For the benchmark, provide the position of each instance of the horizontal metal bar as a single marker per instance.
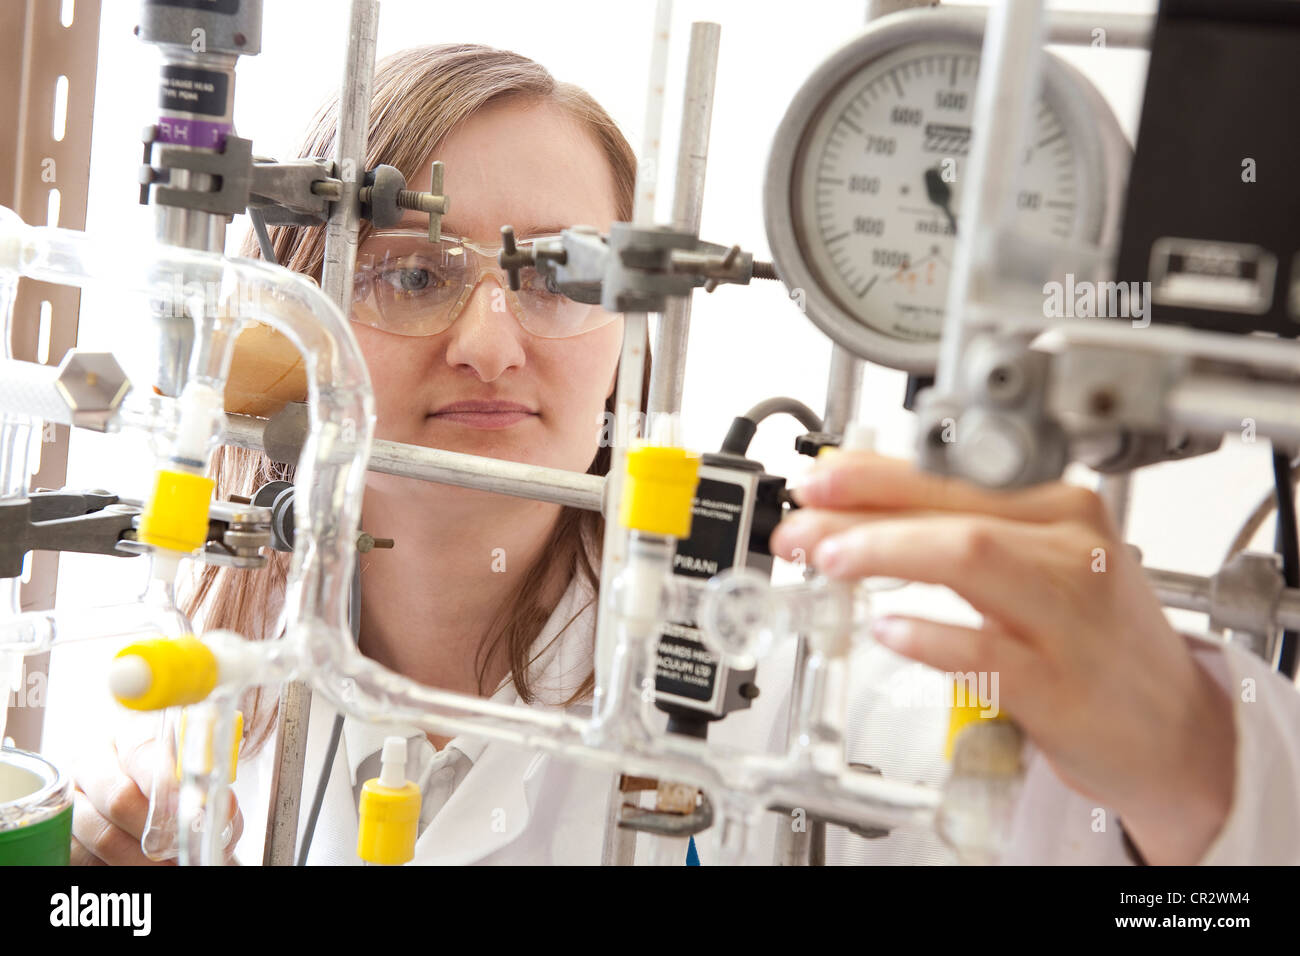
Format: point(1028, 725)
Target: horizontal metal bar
point(1078, 27)
point(1214, 404)
point(1191, 592)
point(519, 480)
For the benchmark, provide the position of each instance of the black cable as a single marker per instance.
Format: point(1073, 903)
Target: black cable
point(331, 750)
point(1286, 543)
point(263, 237)
point(742, 428)
point(791, 406)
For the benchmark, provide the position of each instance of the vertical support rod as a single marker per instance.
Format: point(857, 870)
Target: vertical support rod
point(336, 281)
point(1008, 87)
point(350, 153)
point(843, 391)
point(794, 847)
point(619, 846)
point(1114, 491)
point(668, 374)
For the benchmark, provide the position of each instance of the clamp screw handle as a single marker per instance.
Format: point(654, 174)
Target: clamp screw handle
point(510, 258)
point(434, 202)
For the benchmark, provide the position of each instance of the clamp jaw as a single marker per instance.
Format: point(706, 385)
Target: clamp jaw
point(99, 522)
point(633, 269)
point(87, 522)
point(298, 192)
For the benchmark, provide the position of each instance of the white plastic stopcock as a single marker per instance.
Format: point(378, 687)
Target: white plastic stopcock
point(202, 409)
point(392, 766)
point(129, 677)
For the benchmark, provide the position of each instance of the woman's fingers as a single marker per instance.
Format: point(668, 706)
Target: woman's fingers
point(96, 838)
point(139, 764)
point(1026, 576)
point(111, 807)
point(865, 480)
point(800, 531)
point(79, 855)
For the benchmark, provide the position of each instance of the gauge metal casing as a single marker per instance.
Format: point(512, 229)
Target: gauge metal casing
point(1096, 146)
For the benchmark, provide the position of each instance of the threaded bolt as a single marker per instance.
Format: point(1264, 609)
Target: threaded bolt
point(424, 202)
point(367, 542)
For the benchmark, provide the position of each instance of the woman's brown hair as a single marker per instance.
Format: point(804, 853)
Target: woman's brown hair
point(419, 97)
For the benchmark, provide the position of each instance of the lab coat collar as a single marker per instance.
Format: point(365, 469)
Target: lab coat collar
point(467, 828)
point(362, 739)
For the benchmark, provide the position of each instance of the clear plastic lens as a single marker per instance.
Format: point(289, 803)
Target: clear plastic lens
point(409, 286)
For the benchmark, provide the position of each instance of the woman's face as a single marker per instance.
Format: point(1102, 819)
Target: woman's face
point(526, 164)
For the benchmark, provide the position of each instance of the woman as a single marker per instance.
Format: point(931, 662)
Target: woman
point(499, 590)
point(477, 575)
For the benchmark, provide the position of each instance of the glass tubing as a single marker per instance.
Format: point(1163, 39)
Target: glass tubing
point(317, 646)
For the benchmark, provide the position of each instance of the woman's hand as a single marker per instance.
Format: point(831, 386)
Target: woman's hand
point(1087, 663)
point(110, 809)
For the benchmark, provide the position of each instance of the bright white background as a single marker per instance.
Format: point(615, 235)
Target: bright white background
point(746, 344)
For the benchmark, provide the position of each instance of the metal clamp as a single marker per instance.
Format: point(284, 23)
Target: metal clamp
point(232, 168)
point(84, 522)
point(634, 269)
point(289, 193)
point(1244, 597)
point(662, 823)
point(238, 531)
point(994, 429)
point(857, 829)
point(384, 196)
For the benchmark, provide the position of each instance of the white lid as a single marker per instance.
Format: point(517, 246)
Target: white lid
point(392, 762)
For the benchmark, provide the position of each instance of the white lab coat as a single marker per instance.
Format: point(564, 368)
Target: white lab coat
point(527, 807)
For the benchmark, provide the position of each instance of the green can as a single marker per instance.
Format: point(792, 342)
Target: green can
point(35, 811)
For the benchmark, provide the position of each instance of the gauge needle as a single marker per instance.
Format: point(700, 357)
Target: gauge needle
point(940, 194)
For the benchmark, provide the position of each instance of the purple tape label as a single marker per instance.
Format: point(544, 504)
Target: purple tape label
point(190, 132)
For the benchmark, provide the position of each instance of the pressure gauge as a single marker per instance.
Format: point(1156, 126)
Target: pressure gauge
point(862, 200)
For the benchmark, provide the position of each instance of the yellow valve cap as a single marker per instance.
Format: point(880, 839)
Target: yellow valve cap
point(176, 516)
point(962, 716)
point(659, 490)
point(390, 818)
point(235, 740)
point(163, 672)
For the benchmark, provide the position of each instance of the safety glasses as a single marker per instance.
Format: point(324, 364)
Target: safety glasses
point(407, 285)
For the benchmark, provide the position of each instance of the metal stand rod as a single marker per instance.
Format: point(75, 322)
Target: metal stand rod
point(793, 846)
point(336, 282)
point(843, 391)
point(668, 373)
point(1114, 491)
point(1011, 58)
point(619, 846)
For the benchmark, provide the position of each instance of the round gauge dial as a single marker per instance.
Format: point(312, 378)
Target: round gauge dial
point(864, 187)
